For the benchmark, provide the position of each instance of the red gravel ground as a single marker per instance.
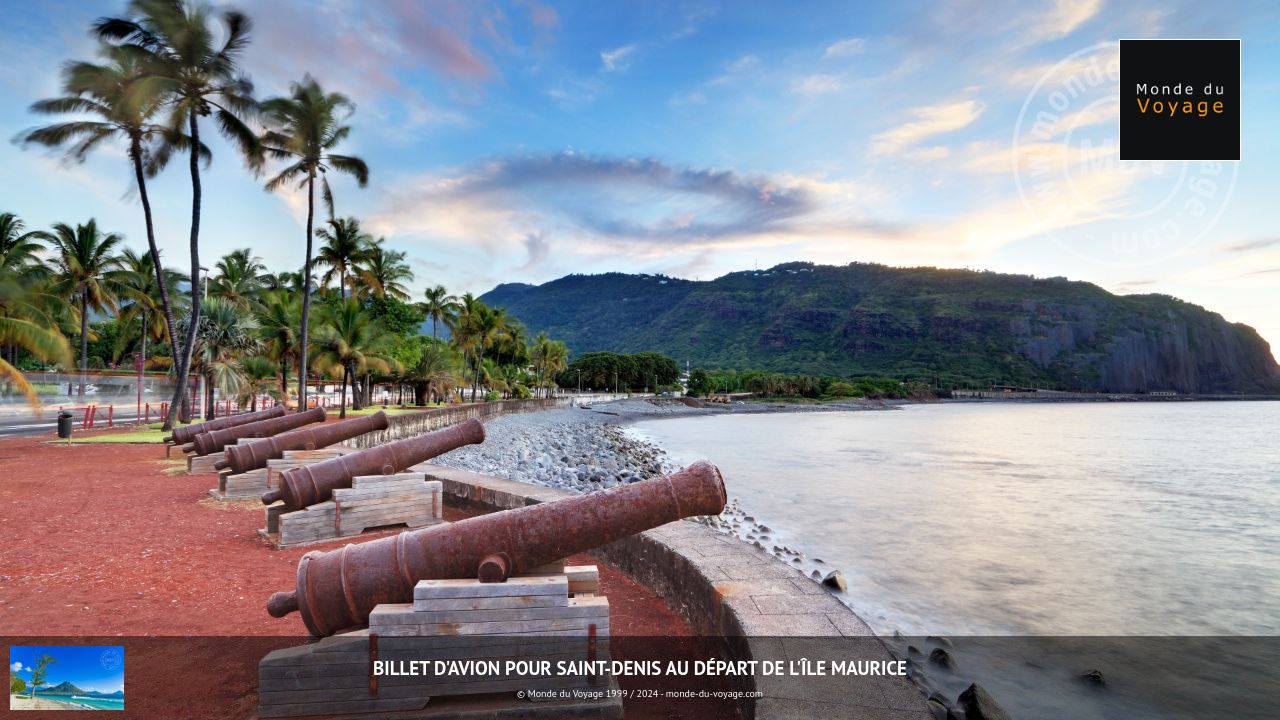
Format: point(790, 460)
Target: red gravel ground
point(109, 540)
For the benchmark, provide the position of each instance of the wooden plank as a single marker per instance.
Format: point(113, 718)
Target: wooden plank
point(490, 603)
point(583, 579)
point(367, 480)
point(387, 493)
point(522, 585)
point(396, 614)
point(513, 627)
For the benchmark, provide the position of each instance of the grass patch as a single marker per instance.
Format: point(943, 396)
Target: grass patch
point(137, 436)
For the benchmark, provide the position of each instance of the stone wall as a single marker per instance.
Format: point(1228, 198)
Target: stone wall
point(759, 605)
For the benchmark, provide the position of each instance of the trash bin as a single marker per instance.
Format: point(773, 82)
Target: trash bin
point(64, 425)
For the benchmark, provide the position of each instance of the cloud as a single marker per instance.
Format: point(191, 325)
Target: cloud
point(930, 120)
point(1064, 18)
point(692, 17)
point(16, 667)
point(735, 70)
point(616, 60)
point(538, 247)
point(691, 98)
point(818, 84)
point(1249, 245)
point(598, 205)
point(844, 48)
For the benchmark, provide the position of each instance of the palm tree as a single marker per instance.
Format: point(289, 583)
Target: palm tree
point(125, 104)
point(24, 325)
point(139, 294)
point(465, 331)
point(239, 277)
point(20, 249)
point(304, 129)
point(352, 341)
point(549, 357)
point(225, 334)
point(259, 374)
point(439, 306)
point(278, 317)
point(87, 271)
point(513, 343)
point(290, 282)
point(342, 253)
point(435, 373)
point(383, 272)
point(198, 78)
point(19, 262)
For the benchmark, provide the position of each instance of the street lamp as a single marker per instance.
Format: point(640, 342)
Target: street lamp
point(205, 270)
point(579, 381)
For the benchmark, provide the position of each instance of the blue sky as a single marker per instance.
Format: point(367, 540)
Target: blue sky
point(521, 141)
point(91, 668)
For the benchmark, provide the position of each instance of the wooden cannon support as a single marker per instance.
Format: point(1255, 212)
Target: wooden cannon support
point(552, 617)
point(372, 501)
point(250, 485)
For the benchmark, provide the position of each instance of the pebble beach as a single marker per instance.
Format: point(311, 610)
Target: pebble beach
point(587, 448)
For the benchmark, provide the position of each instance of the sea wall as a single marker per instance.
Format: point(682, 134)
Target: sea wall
point(759, 606)
point(428, 419)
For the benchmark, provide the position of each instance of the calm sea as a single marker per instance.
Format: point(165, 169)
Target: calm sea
point(1004, 519)
point(95, 702)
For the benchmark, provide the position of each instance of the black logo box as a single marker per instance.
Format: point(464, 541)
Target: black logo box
point(1185, 67)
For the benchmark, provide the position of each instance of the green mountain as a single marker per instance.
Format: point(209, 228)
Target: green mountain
point(63, 688)
point(966, 328)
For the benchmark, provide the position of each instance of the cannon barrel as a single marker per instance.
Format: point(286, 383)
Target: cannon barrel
point(253, 455)
point(314, 483)
point(183, 434)
point(339, 588)
point(211, 442)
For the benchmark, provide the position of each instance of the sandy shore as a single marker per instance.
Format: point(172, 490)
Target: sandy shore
point(23, 702)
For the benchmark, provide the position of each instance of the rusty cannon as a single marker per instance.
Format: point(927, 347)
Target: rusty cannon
point(311, 484)
point(338, 589)
point(253, 455)
point(184, 434)
point(211, 442)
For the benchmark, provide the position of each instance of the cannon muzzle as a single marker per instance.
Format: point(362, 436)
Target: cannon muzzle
point(211, 442)
point(185, 433)
point(253, 455)
point(314, 483)
point(339, 588)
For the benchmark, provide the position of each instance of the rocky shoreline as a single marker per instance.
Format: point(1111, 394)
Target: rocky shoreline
point(584, 449)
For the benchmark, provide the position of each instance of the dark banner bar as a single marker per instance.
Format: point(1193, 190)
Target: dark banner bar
point(1083, 678)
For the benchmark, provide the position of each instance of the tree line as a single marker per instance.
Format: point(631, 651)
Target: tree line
point(621, 372)
point(703, 383)
point(247, 341)
point(165, 70)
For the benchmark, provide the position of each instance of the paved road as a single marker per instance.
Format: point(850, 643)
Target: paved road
point(47, 423)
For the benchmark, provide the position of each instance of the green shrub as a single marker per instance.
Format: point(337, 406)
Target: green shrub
point(492, 396)
point(842, 389)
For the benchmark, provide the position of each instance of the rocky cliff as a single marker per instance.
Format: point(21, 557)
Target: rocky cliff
point(956, 326)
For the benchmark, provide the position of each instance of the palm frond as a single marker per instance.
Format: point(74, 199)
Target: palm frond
point(353, 166)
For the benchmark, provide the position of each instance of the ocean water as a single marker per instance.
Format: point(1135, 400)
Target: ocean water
point(94, 703)
point(1011, 520)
